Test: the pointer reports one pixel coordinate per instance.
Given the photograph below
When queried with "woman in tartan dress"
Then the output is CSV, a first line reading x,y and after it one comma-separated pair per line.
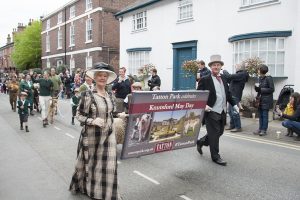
x,y
96,168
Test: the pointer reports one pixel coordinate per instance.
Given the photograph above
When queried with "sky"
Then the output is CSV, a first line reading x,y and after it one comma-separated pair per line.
x,y
20,11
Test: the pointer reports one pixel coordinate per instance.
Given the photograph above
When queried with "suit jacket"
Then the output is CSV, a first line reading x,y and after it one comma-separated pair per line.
x,y
207,83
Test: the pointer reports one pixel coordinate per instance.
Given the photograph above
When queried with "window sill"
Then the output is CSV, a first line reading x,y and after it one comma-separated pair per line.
x,y
259,5
48,51
87,10
71,17
89,41
139,30
71,46
60,48
58,23
180,21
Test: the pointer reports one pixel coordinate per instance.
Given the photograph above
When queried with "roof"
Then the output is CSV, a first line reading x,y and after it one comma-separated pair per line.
x,y
137,5
7,46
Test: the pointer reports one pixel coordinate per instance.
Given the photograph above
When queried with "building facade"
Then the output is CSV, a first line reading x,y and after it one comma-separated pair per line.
x,y
82,33
197,29
6,63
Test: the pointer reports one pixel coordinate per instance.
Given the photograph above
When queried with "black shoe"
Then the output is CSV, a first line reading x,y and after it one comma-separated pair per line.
x,y
220,161
263,133
21,128
44,123
72,123
199,147
257,132
235,130
229,128
31,113
26,127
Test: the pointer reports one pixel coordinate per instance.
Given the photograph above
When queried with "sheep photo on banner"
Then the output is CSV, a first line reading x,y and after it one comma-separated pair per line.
x,y
163,121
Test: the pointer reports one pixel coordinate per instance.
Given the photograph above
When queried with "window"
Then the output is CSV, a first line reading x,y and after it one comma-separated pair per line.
x,y
89,30
72,35
185,9
270,50
59,18
48,24
59,63
59,39
48,63
88,5
88,62
72,63
47,43
140,21
256,2
72,11
137,59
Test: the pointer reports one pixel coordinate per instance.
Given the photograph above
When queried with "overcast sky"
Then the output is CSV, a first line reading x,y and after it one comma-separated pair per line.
x,y
20,11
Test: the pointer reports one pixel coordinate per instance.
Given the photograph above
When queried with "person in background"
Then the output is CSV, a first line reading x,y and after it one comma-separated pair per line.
x,y
215,110
202,71
27,86
265,90
23,106
155,80
293,121
237,83
290,109
87,85
122,88
56,81
74,102
13,89
136,86
46,86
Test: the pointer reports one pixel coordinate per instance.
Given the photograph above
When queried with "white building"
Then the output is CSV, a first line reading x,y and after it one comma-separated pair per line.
x,y
165,33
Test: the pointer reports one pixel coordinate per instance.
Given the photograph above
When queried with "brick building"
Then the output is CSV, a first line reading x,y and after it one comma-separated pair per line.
x,y
6,64
81,33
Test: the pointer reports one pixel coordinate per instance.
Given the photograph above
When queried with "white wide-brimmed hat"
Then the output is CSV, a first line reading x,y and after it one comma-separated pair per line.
x,y
215,59
102,67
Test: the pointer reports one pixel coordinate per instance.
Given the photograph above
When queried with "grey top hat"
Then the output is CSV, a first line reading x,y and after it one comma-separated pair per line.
x,y
102,67
215,59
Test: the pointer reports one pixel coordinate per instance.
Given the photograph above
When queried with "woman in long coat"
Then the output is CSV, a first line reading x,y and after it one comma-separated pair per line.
x,y
96,168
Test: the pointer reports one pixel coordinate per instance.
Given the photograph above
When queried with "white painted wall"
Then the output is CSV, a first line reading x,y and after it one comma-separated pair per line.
x,y
214,22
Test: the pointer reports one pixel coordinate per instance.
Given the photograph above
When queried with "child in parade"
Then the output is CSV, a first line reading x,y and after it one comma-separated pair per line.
x,y
23,106
74,102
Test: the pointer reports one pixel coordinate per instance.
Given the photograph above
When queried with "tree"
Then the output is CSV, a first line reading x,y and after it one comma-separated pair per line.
x,y
27,47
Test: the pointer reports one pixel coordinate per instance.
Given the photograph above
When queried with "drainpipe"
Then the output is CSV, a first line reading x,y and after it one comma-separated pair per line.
x,y
65,36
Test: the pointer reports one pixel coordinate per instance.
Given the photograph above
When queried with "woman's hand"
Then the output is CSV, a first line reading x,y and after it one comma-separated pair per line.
x,y
98,122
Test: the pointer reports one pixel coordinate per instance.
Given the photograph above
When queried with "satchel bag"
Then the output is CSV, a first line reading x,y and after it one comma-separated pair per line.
x,y
256,102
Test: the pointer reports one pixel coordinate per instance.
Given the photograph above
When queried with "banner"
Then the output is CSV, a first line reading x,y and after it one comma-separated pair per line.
x,y
163,121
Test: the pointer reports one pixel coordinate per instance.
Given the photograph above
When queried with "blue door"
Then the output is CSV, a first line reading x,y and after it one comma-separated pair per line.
x,y
183,52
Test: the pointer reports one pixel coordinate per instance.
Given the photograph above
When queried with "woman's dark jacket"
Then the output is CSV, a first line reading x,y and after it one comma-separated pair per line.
x,y
266,89
155,81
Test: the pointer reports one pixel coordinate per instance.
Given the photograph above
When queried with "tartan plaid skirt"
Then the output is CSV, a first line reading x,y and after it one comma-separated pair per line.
x,y
96,168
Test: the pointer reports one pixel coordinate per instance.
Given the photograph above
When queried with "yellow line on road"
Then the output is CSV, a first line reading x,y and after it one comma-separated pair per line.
x,y
263,141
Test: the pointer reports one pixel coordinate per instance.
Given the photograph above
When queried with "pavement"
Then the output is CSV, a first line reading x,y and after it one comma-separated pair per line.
x,y
39,164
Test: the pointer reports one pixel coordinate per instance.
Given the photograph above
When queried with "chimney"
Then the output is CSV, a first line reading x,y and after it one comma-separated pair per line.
x,y
29,23
20,27
8,39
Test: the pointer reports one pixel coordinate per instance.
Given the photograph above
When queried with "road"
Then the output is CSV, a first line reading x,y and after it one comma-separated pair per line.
x,y
39,165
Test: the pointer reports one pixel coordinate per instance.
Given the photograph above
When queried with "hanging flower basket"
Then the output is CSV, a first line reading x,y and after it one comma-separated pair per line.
x,y
191,67
252,65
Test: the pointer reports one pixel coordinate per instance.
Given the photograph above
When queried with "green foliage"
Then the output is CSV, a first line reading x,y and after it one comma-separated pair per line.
x,y
27,47
191,66
252,65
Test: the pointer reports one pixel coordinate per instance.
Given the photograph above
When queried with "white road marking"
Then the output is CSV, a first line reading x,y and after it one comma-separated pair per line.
x,y
40,118
71,136
185,197
263,141
146,177
57,128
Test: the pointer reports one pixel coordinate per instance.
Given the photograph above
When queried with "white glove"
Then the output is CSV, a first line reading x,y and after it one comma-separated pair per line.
x,y
236,108
98,122
207,108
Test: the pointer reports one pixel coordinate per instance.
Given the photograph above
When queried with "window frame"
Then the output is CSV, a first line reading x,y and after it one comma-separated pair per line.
x,y
269,53
72,63
187,6
59,17
47,43
250,3
139,21
48,24
72,35
88,62
88,5
72,11
59,39
137,59
89,30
